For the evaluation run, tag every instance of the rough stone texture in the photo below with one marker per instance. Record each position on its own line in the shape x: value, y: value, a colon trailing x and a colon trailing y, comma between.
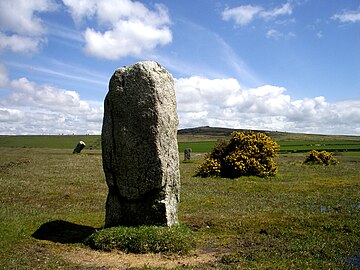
x: 80, y: 146
x: 139, y: 147
x: 187, y: 154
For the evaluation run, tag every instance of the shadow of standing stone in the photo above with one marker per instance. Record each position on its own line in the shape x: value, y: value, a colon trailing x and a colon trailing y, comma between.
x: 64, y: 232
x: 139, y: 147
x: 355, y: 260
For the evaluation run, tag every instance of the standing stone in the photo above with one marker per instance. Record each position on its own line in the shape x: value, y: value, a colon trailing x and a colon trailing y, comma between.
x: 80, y: 146
x: 187, y: 154
x: 139, y: 147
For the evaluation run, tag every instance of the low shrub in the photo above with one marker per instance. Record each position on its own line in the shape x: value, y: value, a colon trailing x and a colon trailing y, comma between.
x: 322, y: 157
x: 144, y: 239
x: 244, y: 155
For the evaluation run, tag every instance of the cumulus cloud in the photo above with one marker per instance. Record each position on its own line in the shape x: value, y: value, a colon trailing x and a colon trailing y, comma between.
x: 27, y: 93
x: 38, y: 121
x: 223, y: 102
x: 347, y: 16
x: 3, y: 76
x: 21, y: 29
x: 20, y: 44
x: 243, y: 15
x: 32, y: 108
x: 10, y: 115
x: 126, y: 31
x: 19, y: 16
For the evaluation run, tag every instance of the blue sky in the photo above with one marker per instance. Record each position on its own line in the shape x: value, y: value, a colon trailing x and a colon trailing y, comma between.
x: 275, y: 65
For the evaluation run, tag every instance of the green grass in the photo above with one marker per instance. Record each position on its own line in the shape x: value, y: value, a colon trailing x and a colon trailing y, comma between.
x: 302, y: 146
x: 39, y: 186
x: 285, y: 146
x: 198, y: 147
x: 92, y: 142
x: 307, y: 217
x: 49, y: 141
x: 144, y: 239
x: 304, y: 218
x: 199, y: 144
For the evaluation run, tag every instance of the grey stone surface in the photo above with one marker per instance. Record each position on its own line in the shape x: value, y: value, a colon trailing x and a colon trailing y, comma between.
x: 139, y: 147
x: 80, y: 146
x: 187, y: 154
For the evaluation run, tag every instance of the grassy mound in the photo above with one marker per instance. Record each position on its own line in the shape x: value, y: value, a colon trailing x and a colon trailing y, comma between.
x: 144, y: 239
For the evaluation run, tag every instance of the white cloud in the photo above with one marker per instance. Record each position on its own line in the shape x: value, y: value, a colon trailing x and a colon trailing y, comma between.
x: 23, y: 28
x: 223, y: 102
x: 19, y: 16
x: 195, y: 94
x: 39, y: 121
x: 27, y: 93
x: 80, y: 8
x: 10, y: 115
x: 126, y: 38
x: 347, y: 16
x: 4, y: 80
x: 243, y: 15
x: 126, y: 31
x: 275, y: 34
x: 272, y: 33
x: 32, y: 108
x: 20, y: 44
x: 285, y: 9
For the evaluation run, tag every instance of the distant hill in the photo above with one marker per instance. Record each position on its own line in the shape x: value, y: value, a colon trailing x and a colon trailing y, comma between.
x: 226, y: 132
x: 207, y: 131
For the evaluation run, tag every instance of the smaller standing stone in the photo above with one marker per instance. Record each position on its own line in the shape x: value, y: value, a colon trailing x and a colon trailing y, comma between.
x: 80, y: 146
x: 187, y: 154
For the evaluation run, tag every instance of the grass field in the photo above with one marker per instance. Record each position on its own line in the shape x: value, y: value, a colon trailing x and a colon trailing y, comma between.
x: 53, y: 141
x: 199, y: 144
x: 330, y: 146
x: 307, y: 217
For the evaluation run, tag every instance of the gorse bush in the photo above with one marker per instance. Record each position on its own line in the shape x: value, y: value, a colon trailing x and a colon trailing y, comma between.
x: 244, y: 155
x: 144, y: 239
x: 323, y: 157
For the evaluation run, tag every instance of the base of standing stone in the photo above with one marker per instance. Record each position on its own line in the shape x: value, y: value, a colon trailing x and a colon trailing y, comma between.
x: 148, y: 210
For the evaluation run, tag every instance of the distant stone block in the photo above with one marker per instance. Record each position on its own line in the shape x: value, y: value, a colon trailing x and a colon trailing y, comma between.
x: 187, y: 154
x: 80, y: 146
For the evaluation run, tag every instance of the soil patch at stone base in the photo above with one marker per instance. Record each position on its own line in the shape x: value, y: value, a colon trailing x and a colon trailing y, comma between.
x: 116, y: 260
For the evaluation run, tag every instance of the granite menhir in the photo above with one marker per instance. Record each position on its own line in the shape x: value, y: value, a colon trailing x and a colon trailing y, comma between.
x: 139, y: 147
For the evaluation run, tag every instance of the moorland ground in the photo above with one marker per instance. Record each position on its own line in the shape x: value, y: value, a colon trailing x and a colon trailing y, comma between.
x: 307, y: 217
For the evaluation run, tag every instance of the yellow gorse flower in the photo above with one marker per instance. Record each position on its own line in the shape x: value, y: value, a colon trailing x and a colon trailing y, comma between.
x: 245, y: 154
